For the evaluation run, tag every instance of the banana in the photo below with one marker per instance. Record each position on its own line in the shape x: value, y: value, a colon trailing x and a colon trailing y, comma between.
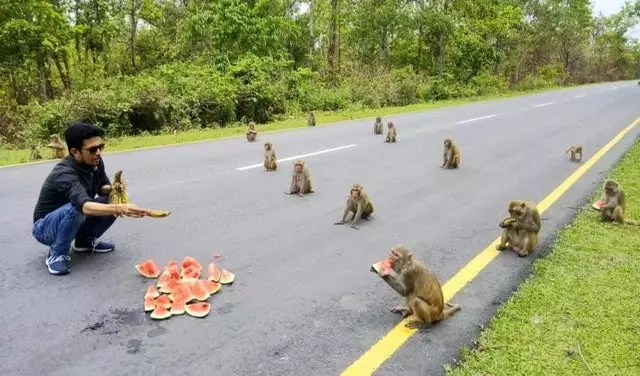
x: 118, y: 195
x: 507, y: 222
x: 159, y: 213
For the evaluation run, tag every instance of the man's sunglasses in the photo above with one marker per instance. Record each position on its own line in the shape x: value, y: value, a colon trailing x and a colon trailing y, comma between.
x: 94, y: 149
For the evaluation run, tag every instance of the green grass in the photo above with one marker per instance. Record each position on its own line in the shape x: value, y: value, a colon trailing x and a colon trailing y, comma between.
x: 586, y: 292
x: 10, y: 157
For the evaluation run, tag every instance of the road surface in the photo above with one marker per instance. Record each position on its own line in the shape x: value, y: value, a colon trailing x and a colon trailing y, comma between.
x: 304, y: 301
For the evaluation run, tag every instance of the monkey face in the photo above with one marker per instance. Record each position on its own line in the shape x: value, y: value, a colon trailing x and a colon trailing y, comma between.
x: 267, y: 146
x: 518, y: 211
x: 447, y: 143
x: 355, y: 192
x: 378, y: 119
x: 298, y: 167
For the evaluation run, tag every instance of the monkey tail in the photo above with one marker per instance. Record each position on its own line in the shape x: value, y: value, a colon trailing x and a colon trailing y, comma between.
x: 632, y: 222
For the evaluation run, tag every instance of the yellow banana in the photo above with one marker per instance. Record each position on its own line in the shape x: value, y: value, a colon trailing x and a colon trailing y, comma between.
x: 118, y: 195
x: 159, y: 213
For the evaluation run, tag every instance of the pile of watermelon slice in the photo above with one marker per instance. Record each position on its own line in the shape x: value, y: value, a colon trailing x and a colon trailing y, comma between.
x: 180, y: 289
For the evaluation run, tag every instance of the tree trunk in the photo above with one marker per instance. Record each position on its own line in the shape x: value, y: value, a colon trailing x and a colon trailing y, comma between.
x: 64, y: 76
x: 45, y: 89
x: 334, y: 63
x: 312, y: 35
x: 134, y: 29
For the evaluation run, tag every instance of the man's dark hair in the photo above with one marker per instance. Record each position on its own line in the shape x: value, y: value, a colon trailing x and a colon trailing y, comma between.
x: 77, y: 132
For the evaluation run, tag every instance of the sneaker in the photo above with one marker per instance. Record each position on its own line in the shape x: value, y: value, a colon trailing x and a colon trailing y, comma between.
x: 94, y: 246
x: 58, y: 265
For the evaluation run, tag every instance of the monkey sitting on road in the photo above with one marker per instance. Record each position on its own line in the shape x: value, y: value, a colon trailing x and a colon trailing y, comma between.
x: 377, y: 126
x: 451, y: 154
x: 58, y: 148
x: 270, y: 160
x: 311, y: 120
x: 300, y: 179
x: 422, y: 290
x: 575, y: 149
x: 251, y: 132
x: 35, y: 153
x: 359, y: 204
x: 392, y: 134
x: 521, y: 228
x: 615, y: 205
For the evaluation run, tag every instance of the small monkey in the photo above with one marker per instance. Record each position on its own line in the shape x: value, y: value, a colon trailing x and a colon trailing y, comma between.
x: 270, y: 160
x: 300, y: 179
x: 392, y: 134
x: 311, y: 119
x: 358, y: 203
x: 35, y: 153
x: 378, y: 126
x: 521, y: 228
x: 615, y: 205
x: 58, y: 148
x: 575, y: 149
x: 421, y: 288
x: 451, y: 155
x: 251, y: 132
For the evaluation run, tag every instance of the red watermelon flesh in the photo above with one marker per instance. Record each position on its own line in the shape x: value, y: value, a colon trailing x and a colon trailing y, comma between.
x: 160, y: 313
x: 199, y: 290
x: 212, y: 287
x: 383, y: 268
x: 148, y: 269
x: 214, y: 273
x: 149, y: 303
x: 190, y: 272
x: 190, y: 261
x: 152, y: 291
x: 163, y: 301
x: 199, y: 309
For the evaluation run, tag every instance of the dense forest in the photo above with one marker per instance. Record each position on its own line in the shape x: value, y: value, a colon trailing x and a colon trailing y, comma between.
x: 146, y: 66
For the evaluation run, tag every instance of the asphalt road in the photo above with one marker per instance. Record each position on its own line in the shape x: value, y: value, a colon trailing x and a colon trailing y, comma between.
x: 304, y: 301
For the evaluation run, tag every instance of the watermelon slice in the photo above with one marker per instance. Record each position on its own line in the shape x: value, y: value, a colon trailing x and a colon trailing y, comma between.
x: 152, y: 292
x: 148, y: 269
x: 190, y: 261
x: 214, y: 273
x: 171, y: 270
x: 383, y: 268
x: 199, y: 290
x: 163, y: 301
x: 171, y: 286
x: 160, y: 313
x: 149, y: 303
x: 212, y: 287
x: 598, y: 205
x: 199, y: 309
x: 177, y: 307
x: 227, y: 277
x: 191, y: 272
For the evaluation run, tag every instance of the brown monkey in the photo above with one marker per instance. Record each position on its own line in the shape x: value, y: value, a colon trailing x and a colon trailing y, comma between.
x: 575, y: 149
x: 392, y: 133
x: 35, y: 153
x: 521, y: 228
x: 377, y: 126
x: 451, y: 155
x: 270, y: 160
x: 358, y: 203
x: 615, y: 205
x: 422, y: 290
x: 311, y: 119
x: 58, y: 148
x: 251, y: 132
x: 301, y: 182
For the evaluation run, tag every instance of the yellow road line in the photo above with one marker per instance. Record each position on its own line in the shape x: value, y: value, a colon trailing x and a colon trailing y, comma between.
x: 387, y: 345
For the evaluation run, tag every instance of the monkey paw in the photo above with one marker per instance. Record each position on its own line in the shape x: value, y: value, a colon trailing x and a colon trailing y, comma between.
x: 400, y: 309
x: 414, y: 325
x: 355, y: 227
x: 339, y: 223
x: 500, y: 247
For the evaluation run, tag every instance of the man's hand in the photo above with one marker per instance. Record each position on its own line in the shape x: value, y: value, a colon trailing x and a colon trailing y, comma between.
x: 131, y: 210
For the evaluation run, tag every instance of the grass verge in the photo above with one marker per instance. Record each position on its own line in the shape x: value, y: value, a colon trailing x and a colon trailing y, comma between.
x: 11, y: 157
x: 577, y: 313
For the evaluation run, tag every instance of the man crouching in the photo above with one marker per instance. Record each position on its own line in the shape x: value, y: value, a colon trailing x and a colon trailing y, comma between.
x: 68, y: 209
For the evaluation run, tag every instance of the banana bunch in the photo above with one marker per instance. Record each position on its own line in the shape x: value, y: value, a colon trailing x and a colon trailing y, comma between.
x: 119, y: 196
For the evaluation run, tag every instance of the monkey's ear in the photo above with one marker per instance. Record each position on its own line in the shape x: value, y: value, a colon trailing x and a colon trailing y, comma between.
x: 409, y: 256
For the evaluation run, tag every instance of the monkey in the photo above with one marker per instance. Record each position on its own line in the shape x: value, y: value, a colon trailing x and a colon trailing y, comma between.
x: 35, y: 153
x: 311, y: 120
x: 451, y: 155
x: 57, y: 147
x: 270, y: 159
x: 301, y: 182
x: 358, y: 203
x: 615, y: 205
x: 251, y: 132
x: 377, y: 126
x: 575, y: 149
x: 521, y: 228
x: 419, y: 286
x: 392, y: 134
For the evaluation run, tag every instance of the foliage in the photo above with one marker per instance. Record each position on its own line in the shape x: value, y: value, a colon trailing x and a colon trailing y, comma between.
x: 152, y: 66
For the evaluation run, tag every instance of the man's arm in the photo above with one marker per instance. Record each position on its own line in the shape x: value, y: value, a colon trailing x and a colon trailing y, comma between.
x: 68, y: 183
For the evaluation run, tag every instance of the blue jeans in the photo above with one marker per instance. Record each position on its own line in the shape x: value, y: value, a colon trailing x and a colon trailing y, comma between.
x: 60, y: 227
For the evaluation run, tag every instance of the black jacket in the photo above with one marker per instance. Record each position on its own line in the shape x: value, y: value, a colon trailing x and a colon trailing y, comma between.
x: 70, y: 182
